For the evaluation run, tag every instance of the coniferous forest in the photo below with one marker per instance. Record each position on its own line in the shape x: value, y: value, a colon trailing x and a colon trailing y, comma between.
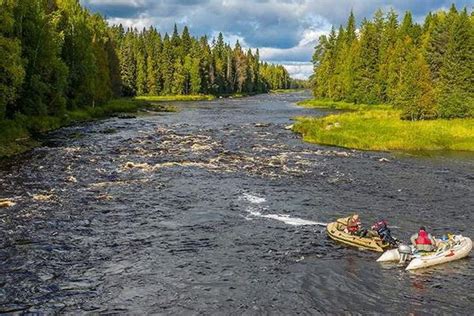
x: 426, y: 70
x: 58, y: 56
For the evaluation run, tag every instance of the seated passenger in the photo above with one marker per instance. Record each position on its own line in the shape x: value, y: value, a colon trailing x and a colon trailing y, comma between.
x: 423, y: 241
x: 354, y: 226
x: 381, y: 230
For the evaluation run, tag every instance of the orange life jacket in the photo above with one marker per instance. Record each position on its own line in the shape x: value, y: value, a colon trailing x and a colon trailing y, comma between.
x: 423, y: 238
x: 353, y: 226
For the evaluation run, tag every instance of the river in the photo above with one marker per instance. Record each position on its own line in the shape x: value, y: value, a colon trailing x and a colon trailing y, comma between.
x: 218, y: 209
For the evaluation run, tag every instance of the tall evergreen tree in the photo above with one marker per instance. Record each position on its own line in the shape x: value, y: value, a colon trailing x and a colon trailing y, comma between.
x: 37, y: 29
x: 457, y: 73
x: 427, y: 70
x: 12, y: 72
x: 414, y: 92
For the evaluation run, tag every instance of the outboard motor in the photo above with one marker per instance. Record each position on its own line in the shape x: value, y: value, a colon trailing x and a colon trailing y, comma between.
x: 405, y: 252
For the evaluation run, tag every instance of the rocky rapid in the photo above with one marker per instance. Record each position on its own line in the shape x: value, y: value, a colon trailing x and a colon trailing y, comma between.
x: 221, y: 209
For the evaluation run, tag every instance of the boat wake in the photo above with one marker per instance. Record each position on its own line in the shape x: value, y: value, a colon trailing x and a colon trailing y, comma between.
x: 287, y: 219
x: 253, y: 198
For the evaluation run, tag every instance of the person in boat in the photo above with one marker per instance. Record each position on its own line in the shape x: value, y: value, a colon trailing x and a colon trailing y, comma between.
x: 423, y: 241
x: 381, y: 230
x: 354, y: 226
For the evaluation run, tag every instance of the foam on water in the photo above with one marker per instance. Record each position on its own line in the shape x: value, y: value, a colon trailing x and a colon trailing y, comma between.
x: 253, y: 198
x: 287, y: 219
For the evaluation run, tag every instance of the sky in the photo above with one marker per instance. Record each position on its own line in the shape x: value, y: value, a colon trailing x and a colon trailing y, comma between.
x: 285, y: 31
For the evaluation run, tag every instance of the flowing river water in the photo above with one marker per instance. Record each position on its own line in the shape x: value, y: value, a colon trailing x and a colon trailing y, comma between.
x: 218, y: 209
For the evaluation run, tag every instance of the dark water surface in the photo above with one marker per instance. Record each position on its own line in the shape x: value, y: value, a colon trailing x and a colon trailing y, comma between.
x: 218, y: 209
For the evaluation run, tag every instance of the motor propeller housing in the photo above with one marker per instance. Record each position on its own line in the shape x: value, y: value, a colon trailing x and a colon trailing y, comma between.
x: 405, y: 252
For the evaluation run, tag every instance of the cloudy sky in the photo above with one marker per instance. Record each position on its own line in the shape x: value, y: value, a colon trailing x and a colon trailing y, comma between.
x: 286, y: 31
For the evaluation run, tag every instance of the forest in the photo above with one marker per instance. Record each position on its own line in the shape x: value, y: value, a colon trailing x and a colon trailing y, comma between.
x: 58, y: 57
x: 425, y: 70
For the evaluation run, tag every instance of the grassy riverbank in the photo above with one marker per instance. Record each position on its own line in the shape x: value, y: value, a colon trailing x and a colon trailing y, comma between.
x: 18, y: 135
x: 282, y: 91
x: 379, y: 127
x: 171, y: 98
x: 340, y: 105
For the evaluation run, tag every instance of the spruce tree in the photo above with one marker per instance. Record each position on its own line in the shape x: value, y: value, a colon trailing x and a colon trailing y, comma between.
x: 456, y: 97
x: 195, y: 76
x: 366, y: 89
x: 12, y: 72
x: 45, y: 80
x: 415, y: 95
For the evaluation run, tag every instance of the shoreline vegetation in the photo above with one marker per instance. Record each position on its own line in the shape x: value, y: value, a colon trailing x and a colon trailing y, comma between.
x: 283, y: 91
x: 380, y: 128
x: 176, y: 98
x: 20, y: 134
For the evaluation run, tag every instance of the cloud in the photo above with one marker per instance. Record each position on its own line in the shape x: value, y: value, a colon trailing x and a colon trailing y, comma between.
x: 298, y: 70
x: 284, y: 30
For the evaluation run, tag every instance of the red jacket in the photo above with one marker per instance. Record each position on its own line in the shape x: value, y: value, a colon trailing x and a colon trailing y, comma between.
x: 423, y: 238
x: 353, y: 225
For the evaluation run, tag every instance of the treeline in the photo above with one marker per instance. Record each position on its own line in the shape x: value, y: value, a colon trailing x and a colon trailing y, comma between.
x: 54, y: 56
x: 152, y: 64
x: 57, y: 56
x: 426, y: 70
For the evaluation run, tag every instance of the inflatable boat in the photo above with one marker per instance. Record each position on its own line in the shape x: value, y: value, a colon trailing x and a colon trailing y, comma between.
x: 455, y: 248
x: 336, y: 231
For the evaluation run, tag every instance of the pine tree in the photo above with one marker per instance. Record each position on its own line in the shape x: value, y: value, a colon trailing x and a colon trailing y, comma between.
x: 415, y: 94
x: 366, y: 88
x: 186, y: 41
x: 456, y: 76
x: 128, y: 65
x: 141, y: 80
x: 240, y: 67
x: 114, y: 68
x: 388, y: 40
x: 351, y: 29
x: 195, y: 76
x: 12, y: 72
x: 323, y: 61
x: 336, y: 83
x: 166, y: 65
x: 179, y: 78
x: 435, y: 43
x: 43, y: 88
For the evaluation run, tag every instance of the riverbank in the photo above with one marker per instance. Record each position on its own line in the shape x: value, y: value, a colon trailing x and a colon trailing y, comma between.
x: 280, y: 91
x: 19, y: 135
x: 340, y: 105
x: 176, y: 98
x: 380, y: 128
x: 192, y: 97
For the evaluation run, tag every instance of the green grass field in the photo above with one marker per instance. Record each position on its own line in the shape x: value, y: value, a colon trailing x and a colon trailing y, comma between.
x: 380, y: 128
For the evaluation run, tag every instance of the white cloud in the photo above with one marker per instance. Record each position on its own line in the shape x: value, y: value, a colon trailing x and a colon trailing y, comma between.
x: 139, y: 23
x: 299, y: 70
